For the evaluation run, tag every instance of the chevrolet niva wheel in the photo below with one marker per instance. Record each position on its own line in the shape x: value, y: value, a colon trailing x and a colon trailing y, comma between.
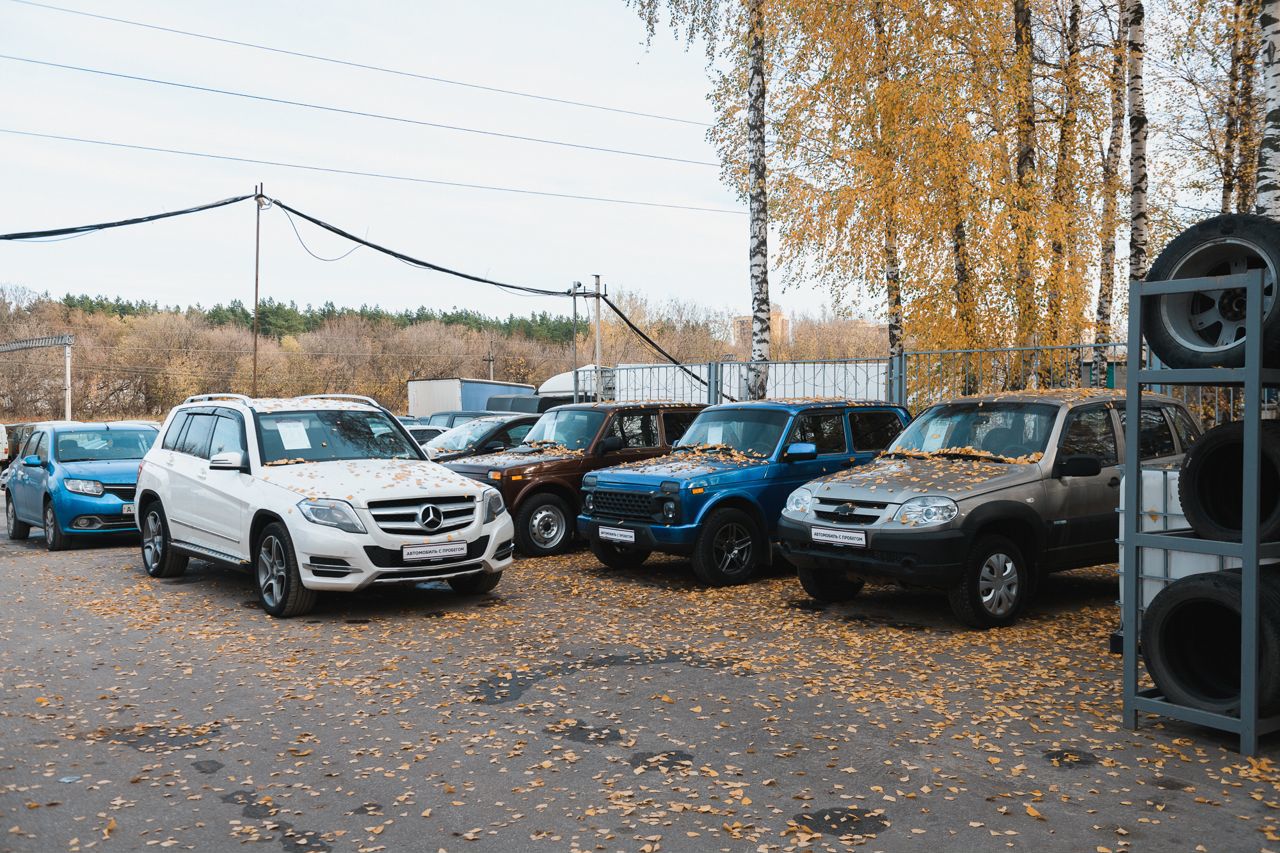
x: 728, y: 549
x: 617, y: 556
x: 158, y: 556
x: 16, y: 529
x: 828, y: 586
x: 1207, y: 328
x: 54, y: 538
x: 995, y: 585
x: 543, y: 526
x: 280, y: 588
x: 475, y: 584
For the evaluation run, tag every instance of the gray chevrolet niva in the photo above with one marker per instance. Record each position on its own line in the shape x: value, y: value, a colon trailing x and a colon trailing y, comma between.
x: 980, y: 497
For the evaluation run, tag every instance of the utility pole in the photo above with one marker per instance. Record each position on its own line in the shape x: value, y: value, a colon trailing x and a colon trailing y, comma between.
x: 260, y: 204
x: 66, y: 353
x: 597, y: 389
x: 489, y: 358
x: 577, y: 285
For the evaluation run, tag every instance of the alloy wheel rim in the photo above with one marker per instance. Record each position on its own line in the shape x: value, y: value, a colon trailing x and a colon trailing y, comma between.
x: 271, y: 571
x: 731, y: 549
x: 11, y: 517
x: 1213, y: 321
x: 152, y: 542
x: 547, y: 527
x: 49, y: 521
x: 998, y: 584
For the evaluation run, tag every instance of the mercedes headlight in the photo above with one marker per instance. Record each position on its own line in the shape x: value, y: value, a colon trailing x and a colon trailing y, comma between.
x: 332, y: 513
x: 800, y: 500
x: 927, y: 510
x: 83, y: 487
x: 493, y: 505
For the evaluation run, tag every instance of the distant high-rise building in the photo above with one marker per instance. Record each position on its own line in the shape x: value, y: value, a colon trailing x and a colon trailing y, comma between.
x: 779, y: 327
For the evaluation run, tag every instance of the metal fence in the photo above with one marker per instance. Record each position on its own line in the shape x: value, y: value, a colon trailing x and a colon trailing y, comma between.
x: 914, y: 379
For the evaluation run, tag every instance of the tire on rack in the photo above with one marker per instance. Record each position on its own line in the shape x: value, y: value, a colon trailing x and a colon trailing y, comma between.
x: 729, y: 548
x: 476, y: 584
x: 280, y: 588
x: 1206, y: 329
x: 158, y: 556
x: 829, y: 587
x: 995, y: 586
x: 16, y: 529
x: 544, y: 525
x: 1212, y: 476
x: 1191, y: 642
x: 617, y: 556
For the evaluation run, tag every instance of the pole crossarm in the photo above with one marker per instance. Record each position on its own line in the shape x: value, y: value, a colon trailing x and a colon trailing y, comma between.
x: 37, y: 343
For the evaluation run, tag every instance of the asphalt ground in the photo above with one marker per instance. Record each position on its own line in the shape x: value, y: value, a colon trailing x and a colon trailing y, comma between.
x: 578, y: 708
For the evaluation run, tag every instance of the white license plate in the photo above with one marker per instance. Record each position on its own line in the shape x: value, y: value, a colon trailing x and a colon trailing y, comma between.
x: 127, y: 509
x: 854, y: 538
x: 617, y: 534
x: 432, y: 552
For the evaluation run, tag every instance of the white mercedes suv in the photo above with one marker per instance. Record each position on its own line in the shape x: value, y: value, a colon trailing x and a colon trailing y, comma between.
x: 327, y: 492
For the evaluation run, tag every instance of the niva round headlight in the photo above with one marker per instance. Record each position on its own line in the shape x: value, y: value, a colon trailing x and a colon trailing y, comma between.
x: 927, y: 510
x: 800, y: 500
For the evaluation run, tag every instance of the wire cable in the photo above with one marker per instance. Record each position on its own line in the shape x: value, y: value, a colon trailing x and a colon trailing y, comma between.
x: 656, y: 347
x: 360, y: 113
x: 307, y: 248
x: 84, y: 229
x: 363, y: 174
x: 363, y: 66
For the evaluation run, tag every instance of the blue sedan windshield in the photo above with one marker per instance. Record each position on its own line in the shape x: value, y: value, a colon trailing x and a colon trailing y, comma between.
x: 98, y: 445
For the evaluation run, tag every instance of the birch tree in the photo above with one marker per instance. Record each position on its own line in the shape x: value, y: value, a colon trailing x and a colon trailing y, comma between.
x: 1269, y: 149
x: 1139, y: 223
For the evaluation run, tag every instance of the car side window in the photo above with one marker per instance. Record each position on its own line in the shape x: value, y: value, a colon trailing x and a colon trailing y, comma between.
x: 674, y: 424
x: 638, y: 429
x: 824, y: 430
x: 195, y: 440
x: 1154, y: 436
x: 1089, y: 433
x: 228, y: 437
x: 1183, y: 426
x: 874, y: 430
x: 174, y: 432
x: 36, y: 446
x: 515, y: 435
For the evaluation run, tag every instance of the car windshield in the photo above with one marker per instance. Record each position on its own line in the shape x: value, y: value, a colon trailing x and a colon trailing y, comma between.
x: 98, y: 445
x: 331, y: 434
x: 752, y: 431
x: 1011, y: 430
x: 462, y: 437
x: 571, y: 428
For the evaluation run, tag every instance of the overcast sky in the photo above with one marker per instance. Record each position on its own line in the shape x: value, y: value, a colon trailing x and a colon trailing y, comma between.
x: 586, y: 50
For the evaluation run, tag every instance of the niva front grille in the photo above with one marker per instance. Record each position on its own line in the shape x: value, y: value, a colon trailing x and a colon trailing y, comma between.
x: 850, y: 512
x: 623, y: 504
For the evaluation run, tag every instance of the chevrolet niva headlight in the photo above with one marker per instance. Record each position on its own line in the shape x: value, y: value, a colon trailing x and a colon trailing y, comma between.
x: 83, y: 487
x: 800, y: 500
x: 332, y: 513
x: 493, y: 505
x: 927, y: 510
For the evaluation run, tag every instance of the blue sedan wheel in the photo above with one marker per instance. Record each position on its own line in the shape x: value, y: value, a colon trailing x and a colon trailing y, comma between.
x: 54, y: 538
x: 16, y: 529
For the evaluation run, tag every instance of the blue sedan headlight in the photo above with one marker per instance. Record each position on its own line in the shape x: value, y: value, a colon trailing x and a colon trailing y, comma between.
x: 83, y: 487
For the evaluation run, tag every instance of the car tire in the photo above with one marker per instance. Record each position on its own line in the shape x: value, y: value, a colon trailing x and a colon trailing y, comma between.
x: 620, y: 557
x: 829, y: 587
x: 1212, y: 476
x: 1201, y: 330
x: 543, y: 526
x: 54, y: 538
x: 280, y: 589
x: 995, y: 585
x: 729, y: 548
x: 1190, y: 642
x: 476, y: 584
x: 159, y: 558
x: 16, y: 529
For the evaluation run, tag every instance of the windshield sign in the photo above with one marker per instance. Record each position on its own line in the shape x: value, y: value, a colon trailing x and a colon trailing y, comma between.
x: 1008, y: 431
x: 99, y: 445
x: 324, y: 436
x: 571, y: 428
x: 751, y: 431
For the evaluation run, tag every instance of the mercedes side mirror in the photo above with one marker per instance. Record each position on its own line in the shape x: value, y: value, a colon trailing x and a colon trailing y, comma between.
x: 232, y: 460
x: 800, y: 451
x: 1079, y: 466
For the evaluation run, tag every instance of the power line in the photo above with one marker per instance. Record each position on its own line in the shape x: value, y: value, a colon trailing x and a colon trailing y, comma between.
x: 359, y: 113
x: 101, y: 226
x: 363, y: 174
x: 363, y: 66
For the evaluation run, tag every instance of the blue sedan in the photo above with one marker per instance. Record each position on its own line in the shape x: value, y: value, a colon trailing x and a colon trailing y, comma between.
x: 74, y: 479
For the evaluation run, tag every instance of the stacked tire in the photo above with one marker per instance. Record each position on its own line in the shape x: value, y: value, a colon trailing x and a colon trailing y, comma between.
x: 1190, y: 633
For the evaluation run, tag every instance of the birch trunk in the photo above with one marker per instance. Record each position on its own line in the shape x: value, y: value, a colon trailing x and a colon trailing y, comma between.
x: 1024, y: 281
x: 1110, y: 214
x: 893, y: 288
x: 758, y: 378
x: 1269, y: 149
x: 1231, y: 132
x: 1138, y: 219
x: 1064, y: 187
x: 1246, y: 167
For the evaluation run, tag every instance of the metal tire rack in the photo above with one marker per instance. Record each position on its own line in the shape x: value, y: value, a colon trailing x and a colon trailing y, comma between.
x: 1252, y: 378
